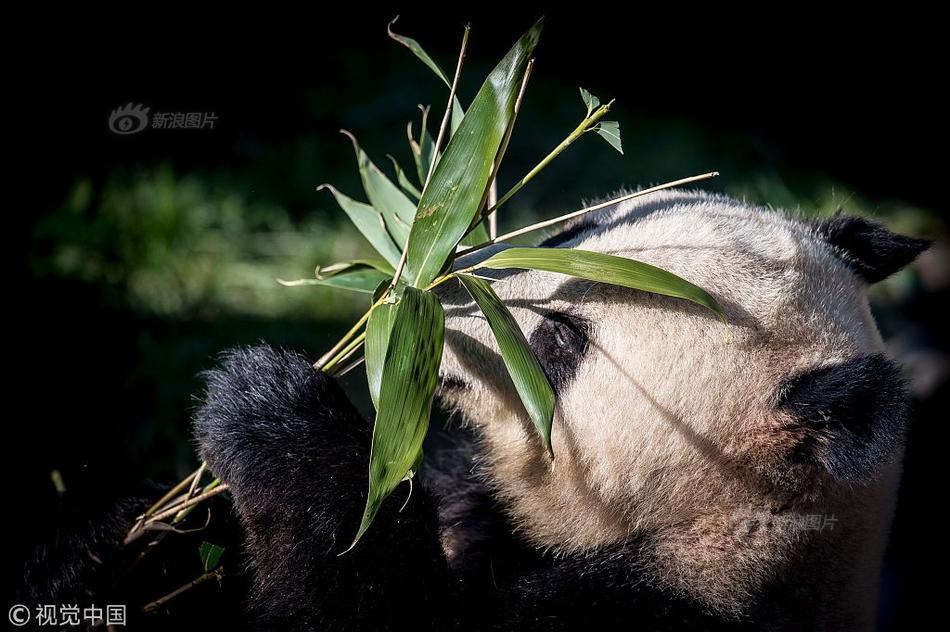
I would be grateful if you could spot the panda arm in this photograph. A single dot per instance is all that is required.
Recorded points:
(295, 454)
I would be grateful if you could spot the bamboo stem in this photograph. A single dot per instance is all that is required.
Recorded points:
(448, 108)
(161, 601)
(579, 131)
(214, 491)
(589, 209)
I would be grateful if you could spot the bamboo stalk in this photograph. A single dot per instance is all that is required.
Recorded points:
(589, 209)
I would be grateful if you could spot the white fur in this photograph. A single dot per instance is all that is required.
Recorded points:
(669, 428)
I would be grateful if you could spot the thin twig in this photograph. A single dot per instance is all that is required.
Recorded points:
(161, 601)
(589, 209)
(326, 357)
(352, 365)
(448, 108)
(585, 126)
(492, 217)
(346, 354)
(188, 503)
(491, 198)
(196, 480)
(174, 491)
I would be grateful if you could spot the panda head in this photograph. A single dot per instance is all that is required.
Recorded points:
(669, 424)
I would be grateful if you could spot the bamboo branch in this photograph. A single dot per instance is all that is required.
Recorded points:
(161, 601)
(589, 209)
(448, 108)
(203, 496)
(492, 195)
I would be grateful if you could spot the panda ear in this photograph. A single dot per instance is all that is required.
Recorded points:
(872, 251)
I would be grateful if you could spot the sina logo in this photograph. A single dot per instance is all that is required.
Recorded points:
(128, 119)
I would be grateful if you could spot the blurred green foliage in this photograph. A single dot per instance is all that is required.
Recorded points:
(189, 247)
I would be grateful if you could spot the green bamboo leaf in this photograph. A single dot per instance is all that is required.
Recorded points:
(409, 377)
(453, 196)
(457, 111)
(323, 272)
(423, 149)
(595, 266)
(378, 329)
(589, 100)
(479, 235)
(404, 180)
(610, 131)
(398, 210)
(532, 385)
(364, 280)
(369, 222)
(210, 555)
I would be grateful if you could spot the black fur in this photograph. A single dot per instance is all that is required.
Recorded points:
(872, 251)
(295, 453)
(852, 414)
(561, 238)
(560, 342)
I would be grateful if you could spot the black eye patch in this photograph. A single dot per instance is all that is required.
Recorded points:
(560, 342)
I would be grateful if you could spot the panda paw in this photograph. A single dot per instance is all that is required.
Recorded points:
(268, 413)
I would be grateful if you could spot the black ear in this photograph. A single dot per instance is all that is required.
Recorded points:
(872, 251)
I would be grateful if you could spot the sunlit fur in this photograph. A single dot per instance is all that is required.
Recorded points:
(669, 429)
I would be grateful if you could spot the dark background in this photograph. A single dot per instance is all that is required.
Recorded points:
(107, 233)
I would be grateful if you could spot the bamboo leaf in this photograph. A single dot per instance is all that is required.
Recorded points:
(409, 376)
(404, 181)
(364, 280)
(453, 196)
(369, 222)
(532, 385)
(378, 329)
(324, 272)
(210, 555)
(423, 149)
(589, 100)
(384, 196)
(457, 111)
(595, 266)
(610, 131)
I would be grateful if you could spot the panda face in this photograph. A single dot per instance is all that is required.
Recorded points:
(666, 420)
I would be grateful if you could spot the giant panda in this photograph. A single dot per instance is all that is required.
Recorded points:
(705, 476)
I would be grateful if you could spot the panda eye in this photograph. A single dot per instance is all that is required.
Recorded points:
(560, 343)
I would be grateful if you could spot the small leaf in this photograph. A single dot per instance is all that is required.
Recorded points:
(364, 280)
(325, 272)
(532, 385)
(589, 100)
(453, 196)
(457, 110)
(610, 131)
(422, 150)
(404, 181)
(210, 555)
(595, 266)
(409, 377)
(378, 329)
(398, 210)
(369, 222)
